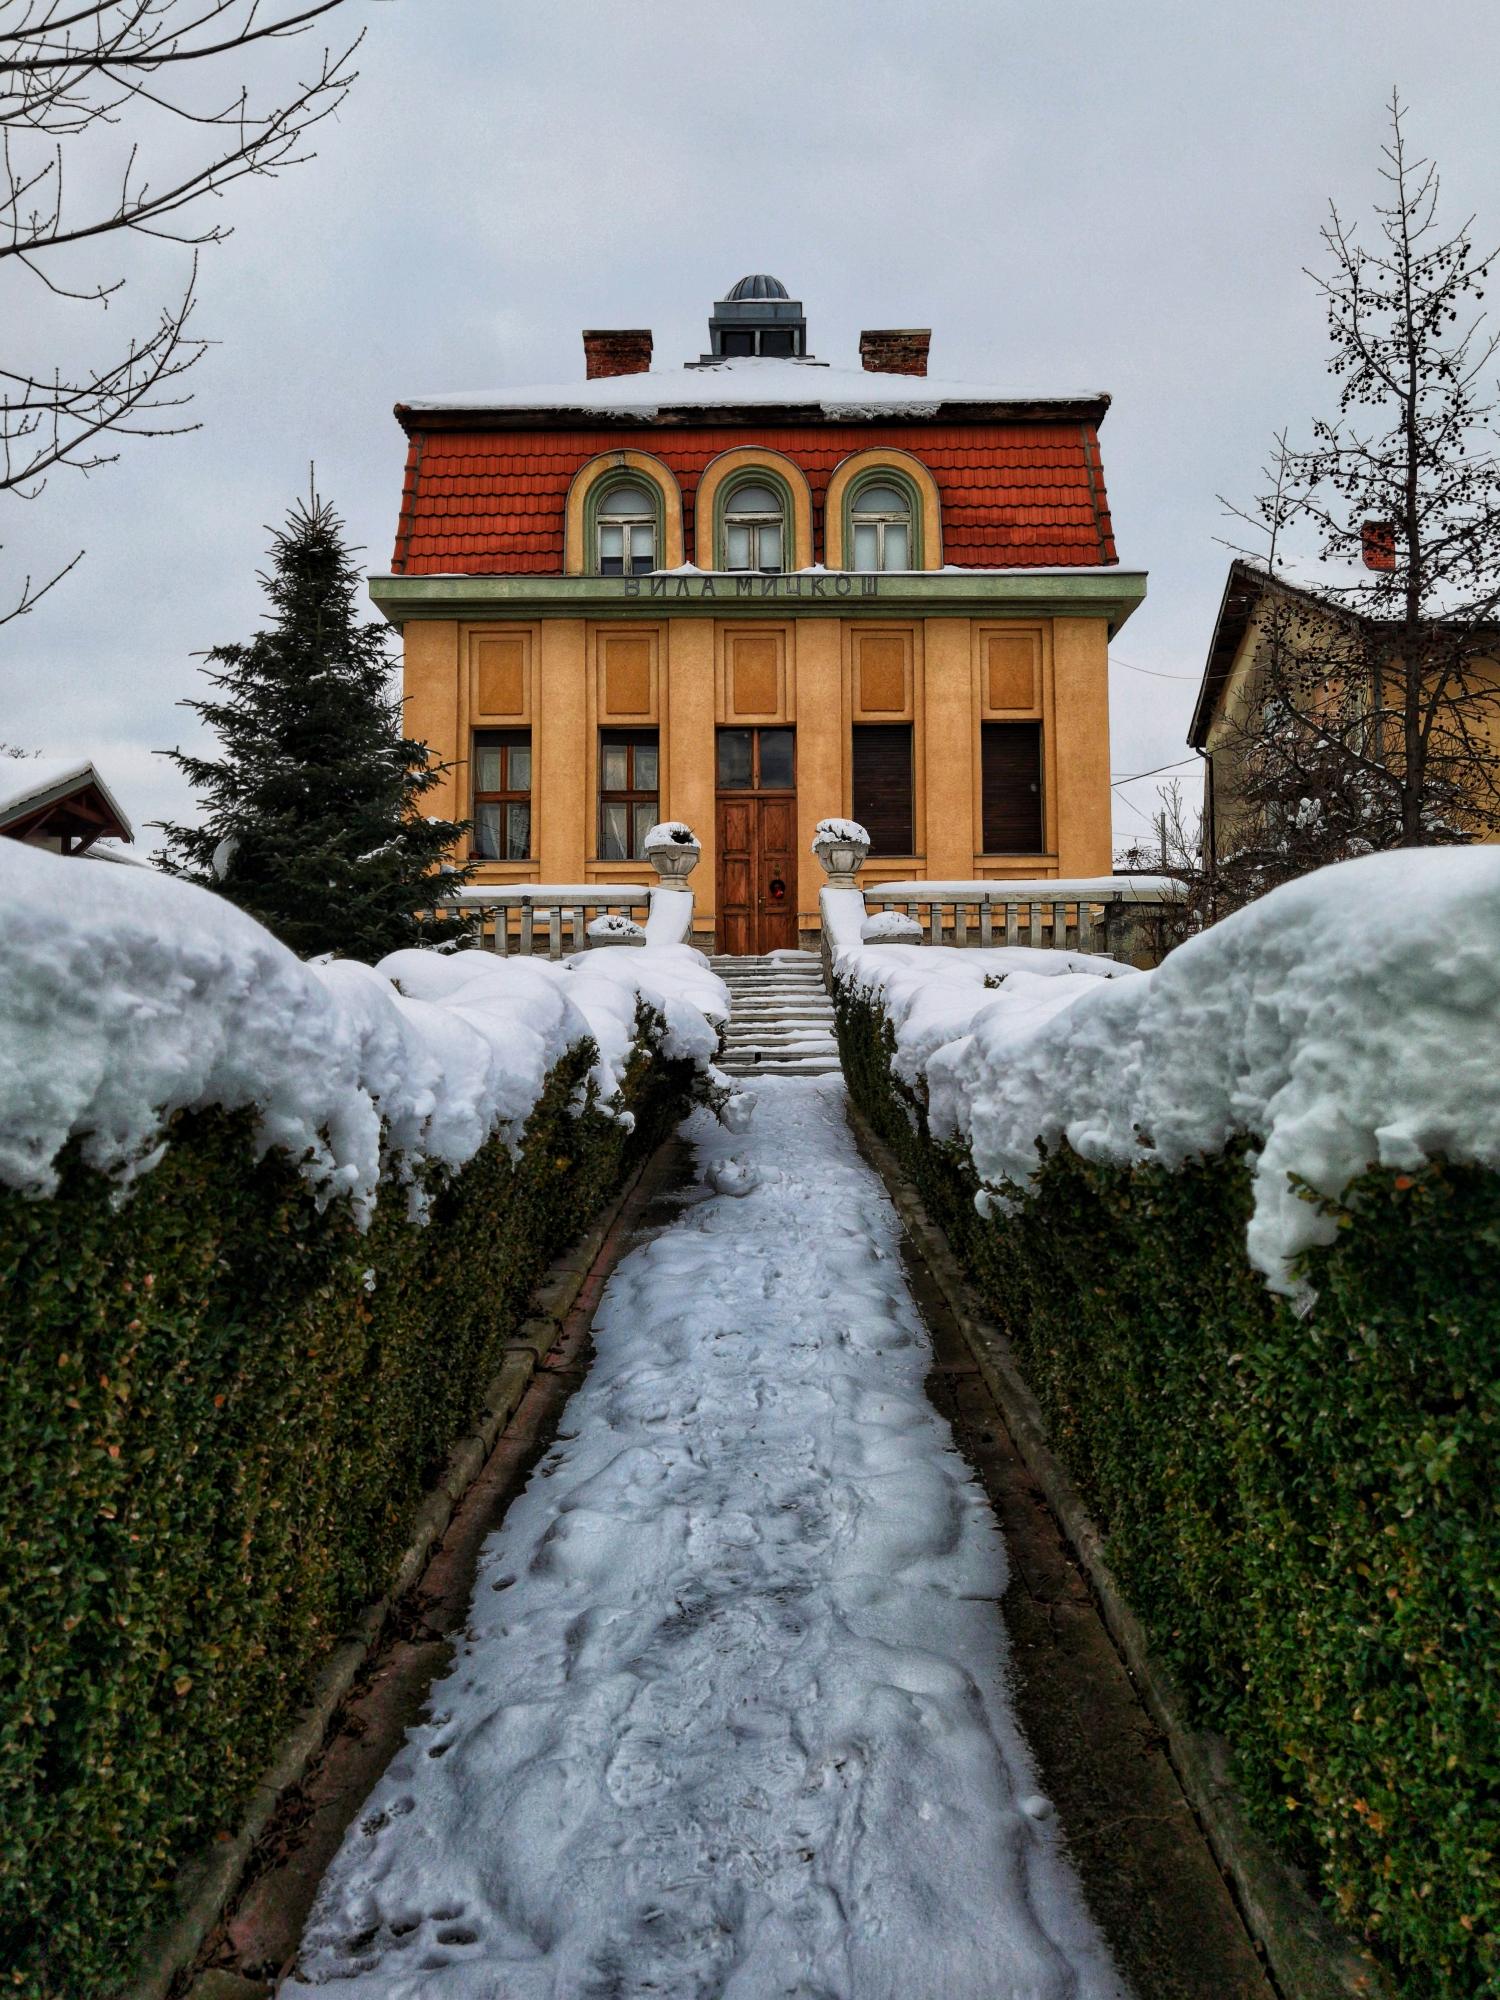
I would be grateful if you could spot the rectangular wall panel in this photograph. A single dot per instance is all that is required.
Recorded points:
(754, 673)
(882, 673)
(1012, 672)
(627, 675)
(501, 675)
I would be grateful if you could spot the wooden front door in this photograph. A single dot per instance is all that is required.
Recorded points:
(757, 842)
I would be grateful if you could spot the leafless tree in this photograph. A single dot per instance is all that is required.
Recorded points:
(131, 118)
(1372, 717)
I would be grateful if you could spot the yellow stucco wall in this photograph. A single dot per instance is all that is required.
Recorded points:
(566, 678)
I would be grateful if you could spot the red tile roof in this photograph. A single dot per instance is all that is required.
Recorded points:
(491, 501)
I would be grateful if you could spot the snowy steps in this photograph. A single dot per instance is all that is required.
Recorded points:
(781, 1018)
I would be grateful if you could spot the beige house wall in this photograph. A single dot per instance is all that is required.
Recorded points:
(567, 678)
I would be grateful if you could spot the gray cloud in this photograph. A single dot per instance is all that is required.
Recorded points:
(1077, 196)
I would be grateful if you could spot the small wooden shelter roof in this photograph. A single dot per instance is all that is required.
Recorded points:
(53, 798)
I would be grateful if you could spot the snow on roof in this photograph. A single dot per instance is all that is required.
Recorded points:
(29, 782)
(837, 392)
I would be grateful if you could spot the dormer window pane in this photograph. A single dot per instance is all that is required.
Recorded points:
(627, 532)
(881, 523)
(753, 529)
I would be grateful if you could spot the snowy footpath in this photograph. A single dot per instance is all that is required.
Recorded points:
(729, 1716)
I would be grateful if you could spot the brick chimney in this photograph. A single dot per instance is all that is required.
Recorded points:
(895, 350)
(1378, 544)
(616, 351)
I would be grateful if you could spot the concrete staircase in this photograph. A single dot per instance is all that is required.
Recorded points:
(781, 1020)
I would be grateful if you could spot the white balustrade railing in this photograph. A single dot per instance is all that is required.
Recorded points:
(1082, 914)
(544, 921)
(555, 917)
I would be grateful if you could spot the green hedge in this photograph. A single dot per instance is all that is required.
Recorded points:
(215, 1431)
(1305, 1513)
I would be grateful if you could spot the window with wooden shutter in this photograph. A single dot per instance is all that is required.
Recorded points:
(882, 769)
(1012, 770)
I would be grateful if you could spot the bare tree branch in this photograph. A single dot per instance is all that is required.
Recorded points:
(100, 86)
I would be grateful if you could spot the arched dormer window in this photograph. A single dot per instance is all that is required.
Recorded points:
(882, 511)
(750, 488)
(625, 527)
(880, 518)
(620, 491)
(755, 529)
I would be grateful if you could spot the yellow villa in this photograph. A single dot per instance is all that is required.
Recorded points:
(754, 592)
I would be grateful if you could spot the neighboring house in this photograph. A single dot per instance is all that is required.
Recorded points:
(62, 804)
(1259, 610)
(753, 592)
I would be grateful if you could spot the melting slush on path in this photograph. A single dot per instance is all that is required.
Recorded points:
(728, 1721)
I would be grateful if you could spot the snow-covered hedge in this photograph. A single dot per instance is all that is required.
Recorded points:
(1279, 1396)
(227, 1392)
(127, 997)
(1351, 1019)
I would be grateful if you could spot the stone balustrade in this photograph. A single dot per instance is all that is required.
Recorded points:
(1098, 913)
(553, 918)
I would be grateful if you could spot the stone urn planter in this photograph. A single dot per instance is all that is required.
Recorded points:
(612, 928)
(841, 846)
(673, 850)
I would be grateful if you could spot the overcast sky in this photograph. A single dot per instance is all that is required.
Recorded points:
(1074, 197)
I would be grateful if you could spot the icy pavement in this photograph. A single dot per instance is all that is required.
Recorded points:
(729, 1716)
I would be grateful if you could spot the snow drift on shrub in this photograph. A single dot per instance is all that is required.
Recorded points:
(1346, 1020)
(126, 996)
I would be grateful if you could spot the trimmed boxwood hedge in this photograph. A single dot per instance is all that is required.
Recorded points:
(1304, 1512)
(220, 1412)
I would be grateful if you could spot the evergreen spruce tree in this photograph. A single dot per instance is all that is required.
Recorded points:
(313, 818)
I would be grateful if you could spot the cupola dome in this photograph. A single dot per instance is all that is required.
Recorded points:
(756, 319)
(759, 285)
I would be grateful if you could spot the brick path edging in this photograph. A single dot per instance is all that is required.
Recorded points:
(1308, 1958)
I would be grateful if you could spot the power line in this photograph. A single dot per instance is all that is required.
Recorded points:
(1129, 778)
(1155, 673)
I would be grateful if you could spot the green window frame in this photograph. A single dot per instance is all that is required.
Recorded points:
(755, 475)
(594, 500)
(885, 475)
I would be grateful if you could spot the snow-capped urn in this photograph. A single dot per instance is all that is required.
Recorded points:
(672, 849)
(890, 927)
(841, 845)
(612, 928)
